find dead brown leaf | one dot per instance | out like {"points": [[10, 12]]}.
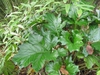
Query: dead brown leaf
{"points": [[89, 49], [63, 70]]}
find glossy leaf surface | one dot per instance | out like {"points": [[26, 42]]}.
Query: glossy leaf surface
{"points": [[35, 53]]}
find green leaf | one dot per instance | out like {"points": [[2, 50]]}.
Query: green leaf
{"points": [[56, 73], [73, 42], [82, 22], [62, 52], [79, 12], [91, 60], [98, 14], [49, 42], [65, 37], [68, 60], [75, 0], [95, 35], [72, 69], [67, 7], [70, 21], [96, 45], [65, 1], [54, 23], [84, 51], [53, 68], [26, 5], [85, 14], [85, 6], [98, 72], [35, 53], [73, 12], [80, 55], [8, 68], [37, 38]]}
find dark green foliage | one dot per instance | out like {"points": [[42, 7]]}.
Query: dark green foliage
{"points": [[51, 34]]}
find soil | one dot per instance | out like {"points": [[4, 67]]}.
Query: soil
{"points": [[82, 72]]}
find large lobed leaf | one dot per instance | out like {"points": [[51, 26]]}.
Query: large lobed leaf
{"points": [[96, 45], [95, 38], [91, 60], [73, 42], [53, 68], [35, 52], [71, 67], [8, 68], [95, 35], [54, 24]]}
